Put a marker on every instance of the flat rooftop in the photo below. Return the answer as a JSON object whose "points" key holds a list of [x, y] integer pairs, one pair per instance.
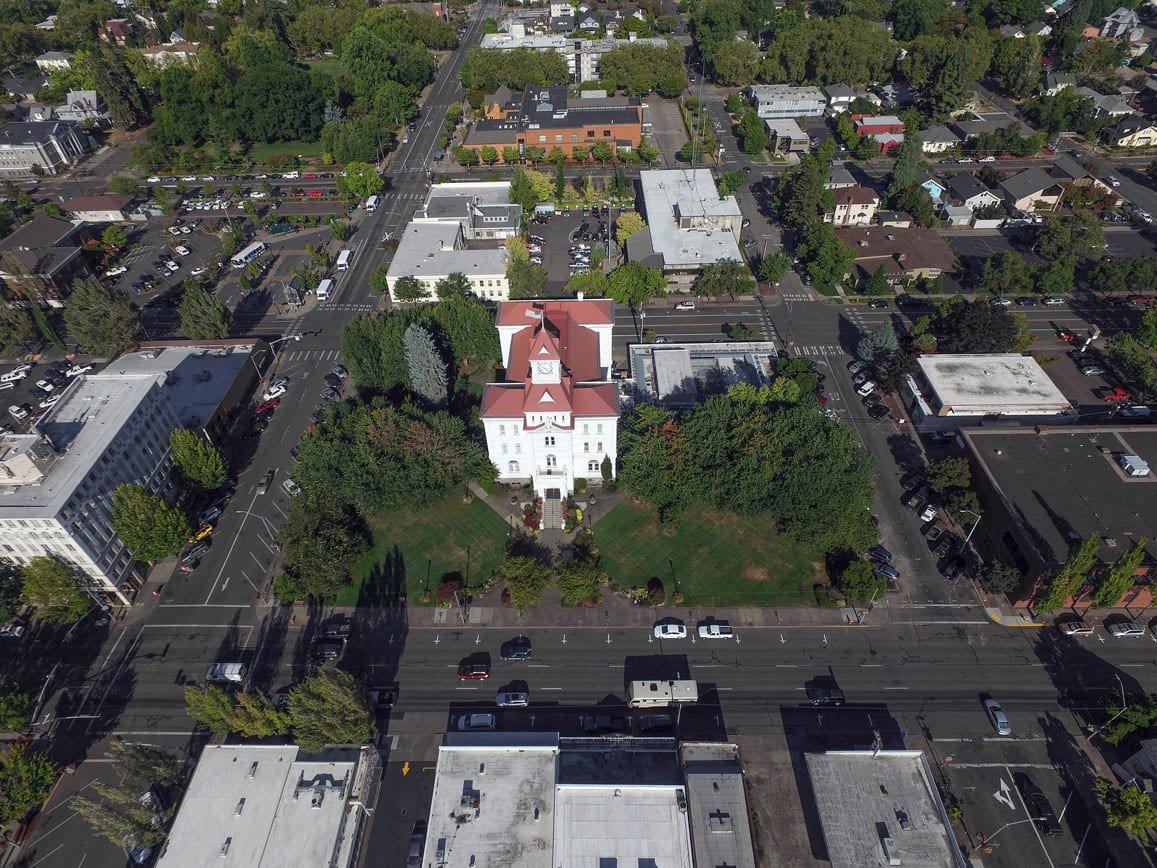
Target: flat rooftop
{"points": [[720, 830], [427, 250], [94, 407], [864, 797], [669, 194], [1004, 383], [687, 373], [621, 825], [494, 801], [1066, 481], [268, 805]]}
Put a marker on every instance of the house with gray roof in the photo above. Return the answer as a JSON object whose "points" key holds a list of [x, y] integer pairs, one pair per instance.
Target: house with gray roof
{"points": [[970, 192], [938, 139], [1032, 190], [1107, 105]]}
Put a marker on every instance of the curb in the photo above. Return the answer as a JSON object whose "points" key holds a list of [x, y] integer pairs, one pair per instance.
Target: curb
{"points": [[998, 617]]}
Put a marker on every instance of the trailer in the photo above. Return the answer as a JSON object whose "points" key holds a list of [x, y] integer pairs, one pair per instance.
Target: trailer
{"points": [[659, 694]]}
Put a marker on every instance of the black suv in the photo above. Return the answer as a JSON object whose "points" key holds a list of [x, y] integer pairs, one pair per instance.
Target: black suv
{"points": [[1038, 805], [518, 648], [328, 650]]}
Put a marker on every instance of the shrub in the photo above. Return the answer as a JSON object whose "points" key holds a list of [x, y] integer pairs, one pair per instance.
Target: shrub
{"points": [[447, 588], [656, 593]]}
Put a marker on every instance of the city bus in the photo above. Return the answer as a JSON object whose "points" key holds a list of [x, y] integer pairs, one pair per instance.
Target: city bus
{"points": [[248, 254]]}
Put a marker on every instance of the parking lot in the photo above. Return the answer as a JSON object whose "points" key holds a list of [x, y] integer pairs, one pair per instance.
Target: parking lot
{"points": [[29, 397], [563, 231]]}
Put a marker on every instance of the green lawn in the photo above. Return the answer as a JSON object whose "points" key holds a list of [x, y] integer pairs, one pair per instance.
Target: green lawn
{"points": [[451, 537], [718, 559], [331, 65], [260, 154]]}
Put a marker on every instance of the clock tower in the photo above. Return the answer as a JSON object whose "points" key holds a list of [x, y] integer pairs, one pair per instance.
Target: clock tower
{"points": [[545, 371]]}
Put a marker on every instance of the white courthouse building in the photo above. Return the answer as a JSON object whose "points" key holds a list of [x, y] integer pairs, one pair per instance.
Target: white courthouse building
{"points": [[555, 417]]}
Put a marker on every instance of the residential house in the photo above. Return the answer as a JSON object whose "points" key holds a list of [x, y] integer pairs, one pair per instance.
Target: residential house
{"points": [[52, 61], [991, 122], [854, 206], [954, 215], [782, 101], [970, 192], [1012, 31], [171, 54], [840, 98], [1054, 82], [689, 225], [545, 117], [1134, 133], [898, 219], [42, 258], [1120, 24], [117, 31], [935, 187], [554, 419], [1038, 28], [79, 105], [588, 22], [99, 209], [785, 136], [938, 139], [839, 177], [886, 130], [31, 148], [905, 254], [1106, 105], [1032, 190], [23, 89], [1070, 173]]}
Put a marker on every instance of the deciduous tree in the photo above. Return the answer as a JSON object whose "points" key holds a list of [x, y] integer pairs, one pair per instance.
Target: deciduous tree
{"points": [[197, 460], [408, 288], [1129, 807], [634, 284], [526, 580], [359, 181], [860, 582], [150, 526], [1068, 579], [627, 224], [26, 776], [53, 588], [727, 277], [320, 542], [203, 316], [1121, 577], [100, 319], [330, 708]]}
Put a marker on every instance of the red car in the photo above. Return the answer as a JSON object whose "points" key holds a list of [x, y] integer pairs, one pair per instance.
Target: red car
{"points": [[315, 194], [1066, 335], [309, 176], [268, 407], [469, 670]]}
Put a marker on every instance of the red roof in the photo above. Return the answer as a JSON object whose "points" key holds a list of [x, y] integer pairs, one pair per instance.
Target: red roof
{"points": [[553, 331], [592, 311], [856, 196]]}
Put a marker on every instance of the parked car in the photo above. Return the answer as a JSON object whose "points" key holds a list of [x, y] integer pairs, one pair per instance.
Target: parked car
{"points": [[518, 648], [514, 695], [477, 723], [341, 371], [879, 553], [275, 390], [1001, 301], [866, 388], [878, 411], [473, 670], [1126, 629], [1075, 627], [291, 487], [997, 717], [670, 628], [1037, 803], [928, 513]]}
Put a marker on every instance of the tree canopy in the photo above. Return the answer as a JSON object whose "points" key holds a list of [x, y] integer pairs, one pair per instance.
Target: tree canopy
{"points": [[150, 526], [203, 316], [321, 542], [53, 588], [101, 319], [753, 452], [330, 708], [196, 460]]}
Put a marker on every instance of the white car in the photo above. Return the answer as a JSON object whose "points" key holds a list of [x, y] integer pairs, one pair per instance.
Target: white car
{"points": [[1000, 301], [866, 389], [1124, 629], [49, 401], [152, 179], [185, 230], [291, 487], [685, 305], [928, 513], [198, 271], [1052, 301], [670, 629], [45, 385], [17, 411], [77, 370], [274, 391], [257, 194], [113, 272], [291, 176], [182, 250], [476, 723], [174, 230], [1113, 182], [988, 159], [189, 178]]}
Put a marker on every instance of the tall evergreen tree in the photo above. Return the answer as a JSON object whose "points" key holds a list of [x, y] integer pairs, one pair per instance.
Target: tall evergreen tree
{"points": [[429, 377]]}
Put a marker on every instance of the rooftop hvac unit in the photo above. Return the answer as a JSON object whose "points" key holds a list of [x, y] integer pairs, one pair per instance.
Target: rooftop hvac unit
{"points": [[891, 853]]}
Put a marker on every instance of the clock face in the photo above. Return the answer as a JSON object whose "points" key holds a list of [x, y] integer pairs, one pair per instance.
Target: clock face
{"points": [[545, 367]]}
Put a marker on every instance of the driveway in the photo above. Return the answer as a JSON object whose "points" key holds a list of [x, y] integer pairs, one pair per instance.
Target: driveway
{"points": [[669, 133]]}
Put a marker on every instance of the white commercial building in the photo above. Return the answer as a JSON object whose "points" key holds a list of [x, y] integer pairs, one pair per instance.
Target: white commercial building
{"points": [[555, 417], [29, 147], [582, 55], [688, 224], [432, 251], [482, 208], [523, 800], [786, 101], [57, 482], [953, 390], [270, 806]]}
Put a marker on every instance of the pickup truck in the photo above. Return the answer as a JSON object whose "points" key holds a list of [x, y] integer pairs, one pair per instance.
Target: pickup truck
{"points": [[715, 630]]}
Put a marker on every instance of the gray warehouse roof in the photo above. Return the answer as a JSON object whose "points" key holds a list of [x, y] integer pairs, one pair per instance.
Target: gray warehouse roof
{"points": [[1004, 383], [869, 800], [689, 193]]}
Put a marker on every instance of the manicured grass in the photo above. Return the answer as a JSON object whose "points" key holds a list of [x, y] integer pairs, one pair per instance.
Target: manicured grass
{"points": [[449, 537], [261, 154], [331, 65], [718, 559]]}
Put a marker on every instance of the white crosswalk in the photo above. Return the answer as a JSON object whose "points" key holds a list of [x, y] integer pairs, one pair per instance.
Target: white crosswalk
{"points": [[797, 296], [307, 355], [816, 350], [351, 307]]}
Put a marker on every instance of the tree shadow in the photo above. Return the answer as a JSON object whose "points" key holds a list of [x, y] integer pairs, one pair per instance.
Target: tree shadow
{"points": [[386, 584], [252, 308], [848, 334]]}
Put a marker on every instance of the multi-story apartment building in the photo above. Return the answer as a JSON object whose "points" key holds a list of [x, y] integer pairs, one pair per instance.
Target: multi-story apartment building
{"points": [[582, 55]]}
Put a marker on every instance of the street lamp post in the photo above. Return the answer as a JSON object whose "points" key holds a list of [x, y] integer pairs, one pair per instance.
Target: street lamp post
{"points": [[1124, 708], [975, 525], [986, 840]]}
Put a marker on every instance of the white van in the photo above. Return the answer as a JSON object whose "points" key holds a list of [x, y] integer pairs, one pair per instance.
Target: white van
{"points": [[324, 289], [371, 204], [16, 375], [685, 305], [343, 259]]}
